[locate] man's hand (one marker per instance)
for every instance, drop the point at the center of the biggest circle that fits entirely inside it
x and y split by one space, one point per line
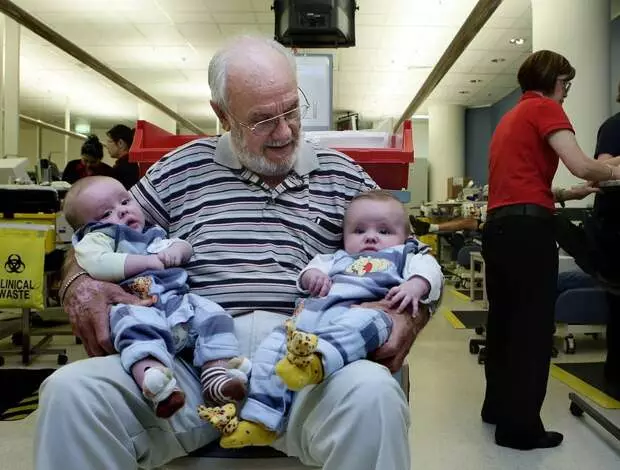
408 294
405 329
316 282
88 303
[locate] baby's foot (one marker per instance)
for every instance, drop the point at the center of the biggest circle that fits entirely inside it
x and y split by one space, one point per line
301 366
246 434
225 381
160 388
297 376
222 418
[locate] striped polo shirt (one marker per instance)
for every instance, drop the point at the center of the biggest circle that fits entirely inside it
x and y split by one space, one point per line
250 240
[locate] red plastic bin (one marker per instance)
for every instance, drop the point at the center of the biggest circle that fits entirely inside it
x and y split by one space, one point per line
389 166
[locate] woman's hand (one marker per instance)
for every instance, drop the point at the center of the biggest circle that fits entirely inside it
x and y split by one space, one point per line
580 191
88 302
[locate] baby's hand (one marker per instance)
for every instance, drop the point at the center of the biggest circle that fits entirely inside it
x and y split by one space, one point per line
175 255
317 282
408 293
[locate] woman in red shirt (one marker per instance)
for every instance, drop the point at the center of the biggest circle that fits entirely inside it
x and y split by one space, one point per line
90 164
522 275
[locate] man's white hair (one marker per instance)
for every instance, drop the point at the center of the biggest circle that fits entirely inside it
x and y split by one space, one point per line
220 61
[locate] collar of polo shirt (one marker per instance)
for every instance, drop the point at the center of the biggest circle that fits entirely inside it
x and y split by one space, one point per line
305 163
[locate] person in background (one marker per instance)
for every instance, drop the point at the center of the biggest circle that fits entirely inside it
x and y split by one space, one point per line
90 163
603 229
421 227
522 276
120 138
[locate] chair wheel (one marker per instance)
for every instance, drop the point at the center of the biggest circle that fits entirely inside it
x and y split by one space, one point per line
474 348
575 410
479 330
482 356
62 359
569 344
17 339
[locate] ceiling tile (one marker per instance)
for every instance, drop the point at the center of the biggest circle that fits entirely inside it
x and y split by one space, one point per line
161 35
201 34
233 6
234 18
177 6
513 8
235 29
262 5
265 18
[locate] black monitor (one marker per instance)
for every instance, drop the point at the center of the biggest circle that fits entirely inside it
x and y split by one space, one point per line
315 23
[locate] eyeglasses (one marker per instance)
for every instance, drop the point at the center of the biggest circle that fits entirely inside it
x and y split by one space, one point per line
566 83
267 126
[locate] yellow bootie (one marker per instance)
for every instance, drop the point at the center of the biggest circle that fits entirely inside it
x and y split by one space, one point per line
223 418
248 434
297 377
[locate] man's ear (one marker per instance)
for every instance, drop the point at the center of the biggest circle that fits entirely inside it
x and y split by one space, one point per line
221 115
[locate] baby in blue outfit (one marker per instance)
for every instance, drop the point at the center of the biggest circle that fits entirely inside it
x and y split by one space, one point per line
380 261
112 242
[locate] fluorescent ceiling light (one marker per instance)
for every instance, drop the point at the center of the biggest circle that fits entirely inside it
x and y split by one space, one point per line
420 117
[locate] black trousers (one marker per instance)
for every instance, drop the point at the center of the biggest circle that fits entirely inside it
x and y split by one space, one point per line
612 363
596 249
521 273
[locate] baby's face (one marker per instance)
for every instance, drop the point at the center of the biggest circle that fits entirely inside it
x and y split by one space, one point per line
372 225
109 202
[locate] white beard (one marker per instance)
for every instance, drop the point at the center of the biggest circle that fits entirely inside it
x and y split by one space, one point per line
260 164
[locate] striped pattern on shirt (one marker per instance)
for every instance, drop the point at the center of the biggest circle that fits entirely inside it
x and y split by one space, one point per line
250 241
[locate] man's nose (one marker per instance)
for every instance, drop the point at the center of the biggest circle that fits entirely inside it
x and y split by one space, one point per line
282 130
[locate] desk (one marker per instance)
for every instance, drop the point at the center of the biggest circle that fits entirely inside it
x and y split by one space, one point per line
476 257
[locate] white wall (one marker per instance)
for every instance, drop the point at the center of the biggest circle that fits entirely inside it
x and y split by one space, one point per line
446 139
420 138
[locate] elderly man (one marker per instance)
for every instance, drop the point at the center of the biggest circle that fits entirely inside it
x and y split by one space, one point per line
256 204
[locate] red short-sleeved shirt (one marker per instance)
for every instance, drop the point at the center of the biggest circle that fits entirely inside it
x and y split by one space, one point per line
522 163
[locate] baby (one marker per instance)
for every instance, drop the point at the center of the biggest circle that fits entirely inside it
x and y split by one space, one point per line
330 330
112 242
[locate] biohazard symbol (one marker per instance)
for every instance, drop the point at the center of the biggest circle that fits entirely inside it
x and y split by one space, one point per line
14 264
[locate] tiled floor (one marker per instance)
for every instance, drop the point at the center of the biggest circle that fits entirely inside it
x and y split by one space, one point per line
447 389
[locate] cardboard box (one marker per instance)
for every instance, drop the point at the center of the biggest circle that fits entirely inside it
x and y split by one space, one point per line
456 185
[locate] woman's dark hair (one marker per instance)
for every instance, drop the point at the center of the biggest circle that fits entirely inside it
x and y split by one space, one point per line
92 147
121 132
541 70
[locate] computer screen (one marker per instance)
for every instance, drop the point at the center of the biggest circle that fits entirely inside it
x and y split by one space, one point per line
14 170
